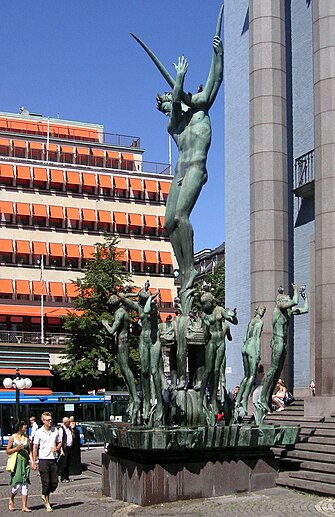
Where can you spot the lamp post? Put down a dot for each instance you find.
(19, 384)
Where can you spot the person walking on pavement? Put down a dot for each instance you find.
(66, 438)
(32, 428)
(47, 444)
(19, 443)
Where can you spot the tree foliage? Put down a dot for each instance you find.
(88, 341)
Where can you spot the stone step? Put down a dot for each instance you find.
(316, 447)
(311, 438)
(319, 477)
(94, 467)
(310, 456)
(307, 485)
(286, 418)
(316, 466)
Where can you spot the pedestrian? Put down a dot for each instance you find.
(33, 427)
(75, 461)
(47, 444)
(65, 436)
(19, 444)
(278, 399)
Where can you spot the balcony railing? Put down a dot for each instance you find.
(304, 174)
(32, 338)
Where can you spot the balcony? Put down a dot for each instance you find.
(304, 175)
(32, 338)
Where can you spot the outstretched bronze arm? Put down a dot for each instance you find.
(184, 97)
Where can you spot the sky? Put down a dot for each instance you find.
(77, 60)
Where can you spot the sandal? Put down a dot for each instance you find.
(27, 510)
(11, 506)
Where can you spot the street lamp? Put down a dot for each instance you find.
(19, 384)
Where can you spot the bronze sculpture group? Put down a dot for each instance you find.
(196, 341)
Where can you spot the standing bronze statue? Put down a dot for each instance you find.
(120, 329)
(149, 348)
(285, 308)
(251, 353)
(190, 127)
(216, 329)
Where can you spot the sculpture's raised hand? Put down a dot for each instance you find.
(182, 66)
(217, 45)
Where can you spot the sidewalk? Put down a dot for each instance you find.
(83, 497)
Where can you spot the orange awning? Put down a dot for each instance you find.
(72, 250)
(121, 254)
(56, 212)
(88, 251)
(89, 179)
(22, 287)
(35, 145)
(120, 218)
(23, 172)
(89, 214)
(105, 216)
(38, 287)
(113, 154)
(165, 258)
(23, 247)
(73, 213)
(67, 149)
(56, 289)
(73, 177)
(28, 373)
(165, 295)
(150, 256)
(120, 183)
(56, 249)
(150, 221)
(83, 151)
(136, 255)
(35, 311)
(6, 246)
(151, 186)
(20, 143)
(135, 219)
(105, 181)
(22, 208)
(162, 221)
(39, 248)
(98, 152)
(164, 186)
(40, 174)
(7, 171)
(136, 184)
(6, 207)
(40, 210)
(71, 290)
(56, 176)
(53, 148)
(4, 142)
(6, 286)
(127, 156)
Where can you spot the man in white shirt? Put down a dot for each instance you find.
(66, 438)
(32, 428)
(47, 443)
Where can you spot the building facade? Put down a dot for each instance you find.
(63, 184)
(279, 203)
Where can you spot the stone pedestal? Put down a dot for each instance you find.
(146, 483)
(149, 466)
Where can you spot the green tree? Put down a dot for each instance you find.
(88, 341)
(216, 278)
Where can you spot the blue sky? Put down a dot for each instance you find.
(76, 58)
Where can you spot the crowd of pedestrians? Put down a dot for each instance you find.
(55, 452)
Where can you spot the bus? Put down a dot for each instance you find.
(84, 408)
